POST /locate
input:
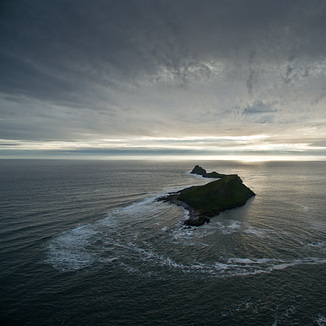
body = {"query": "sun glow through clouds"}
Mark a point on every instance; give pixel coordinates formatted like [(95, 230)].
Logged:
[(258, 147)]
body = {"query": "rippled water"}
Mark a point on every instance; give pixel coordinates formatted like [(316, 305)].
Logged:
[(87, 243)]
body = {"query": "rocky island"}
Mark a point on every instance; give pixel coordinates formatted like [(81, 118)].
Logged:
[(200, 171), (212, 198)]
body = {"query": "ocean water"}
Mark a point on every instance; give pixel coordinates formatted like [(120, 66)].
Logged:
[(86, 243)]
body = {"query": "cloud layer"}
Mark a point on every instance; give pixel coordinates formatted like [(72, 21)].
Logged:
[(84, 72)]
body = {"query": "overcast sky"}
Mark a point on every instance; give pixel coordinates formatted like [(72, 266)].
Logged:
[(172, 77)]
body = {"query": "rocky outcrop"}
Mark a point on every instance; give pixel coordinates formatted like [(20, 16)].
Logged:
[(200, 171), (210, 199)]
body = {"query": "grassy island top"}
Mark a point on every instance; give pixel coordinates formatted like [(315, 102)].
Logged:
[(212, 198), (216, 196)]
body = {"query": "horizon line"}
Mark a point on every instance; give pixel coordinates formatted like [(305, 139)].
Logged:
[(239, 158)]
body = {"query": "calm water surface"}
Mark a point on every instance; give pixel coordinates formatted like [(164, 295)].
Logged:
[(85, 242)]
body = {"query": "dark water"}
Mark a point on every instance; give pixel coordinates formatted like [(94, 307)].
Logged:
[(85, 243)]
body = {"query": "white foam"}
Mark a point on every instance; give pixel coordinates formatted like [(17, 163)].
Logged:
[(183, 235), (232, 226), (256, 232), (85, 245), (242, 261), (77, 249), (228, 227), (134, 213), (108, 241), (321, 320), (220, 266), (139, 204), (152, 257), (68, 251)]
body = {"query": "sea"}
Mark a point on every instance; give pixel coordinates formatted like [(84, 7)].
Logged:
[(87, 243)]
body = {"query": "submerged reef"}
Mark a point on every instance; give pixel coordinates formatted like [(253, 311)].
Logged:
[(210, 199)]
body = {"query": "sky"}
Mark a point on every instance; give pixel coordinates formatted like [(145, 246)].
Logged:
[(215, 79)]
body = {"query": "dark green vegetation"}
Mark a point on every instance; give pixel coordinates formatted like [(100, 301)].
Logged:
[(200, 171), (217, 196), (212, 198)]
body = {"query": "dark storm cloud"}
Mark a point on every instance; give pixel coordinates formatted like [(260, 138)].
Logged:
[(51, 48)]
